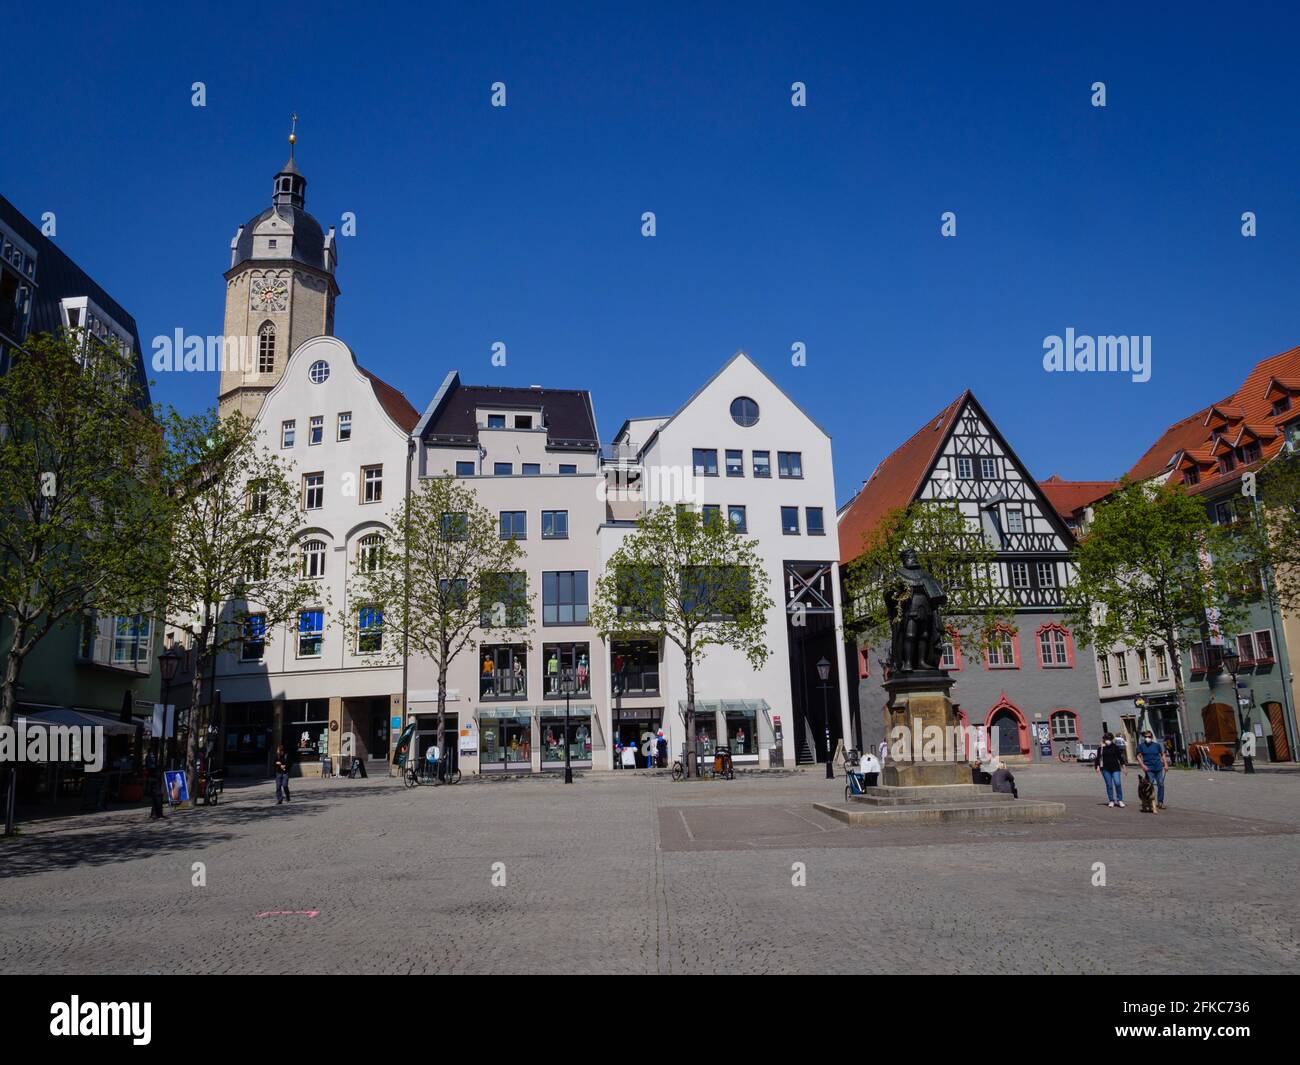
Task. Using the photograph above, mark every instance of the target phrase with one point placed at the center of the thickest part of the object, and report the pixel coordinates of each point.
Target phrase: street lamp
(168, 663)
(1231, 660)
(568, 685)
(824, 671)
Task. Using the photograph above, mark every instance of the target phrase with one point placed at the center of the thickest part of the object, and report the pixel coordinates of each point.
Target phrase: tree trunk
(442, 708)
(1180, 691)
(196, 700)
(8, 704)
(689, 761)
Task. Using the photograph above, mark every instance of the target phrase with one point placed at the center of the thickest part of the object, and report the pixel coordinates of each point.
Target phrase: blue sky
(776, 224)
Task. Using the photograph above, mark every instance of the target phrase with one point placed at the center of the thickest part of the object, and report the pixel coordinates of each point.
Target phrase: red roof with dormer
(1268, 399)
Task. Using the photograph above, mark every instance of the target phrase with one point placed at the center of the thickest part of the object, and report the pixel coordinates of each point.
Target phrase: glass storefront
(304, 722)
(505, 740)
(635, 667)
(552, 732)
(641, 727)
(741, 719)
(248, 733)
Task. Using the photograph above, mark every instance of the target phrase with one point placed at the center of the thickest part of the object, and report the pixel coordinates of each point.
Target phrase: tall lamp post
(568, 685)
(824, 671)
(1231, 660)
(168, 663)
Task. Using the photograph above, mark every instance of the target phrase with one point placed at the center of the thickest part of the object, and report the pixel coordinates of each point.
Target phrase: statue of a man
(913, 601)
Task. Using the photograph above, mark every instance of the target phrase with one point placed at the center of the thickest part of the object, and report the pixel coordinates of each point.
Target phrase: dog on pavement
(1147, 795)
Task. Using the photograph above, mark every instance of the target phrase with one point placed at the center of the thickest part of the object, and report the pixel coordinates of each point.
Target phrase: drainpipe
(406, 591)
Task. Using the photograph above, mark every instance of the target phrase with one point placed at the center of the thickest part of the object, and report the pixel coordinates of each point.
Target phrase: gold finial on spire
(293, 134)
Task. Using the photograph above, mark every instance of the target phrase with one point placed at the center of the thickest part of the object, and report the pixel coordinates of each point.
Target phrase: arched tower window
(266, 348)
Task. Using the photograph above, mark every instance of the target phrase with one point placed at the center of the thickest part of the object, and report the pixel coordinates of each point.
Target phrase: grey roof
(308, 238)
(567, 414)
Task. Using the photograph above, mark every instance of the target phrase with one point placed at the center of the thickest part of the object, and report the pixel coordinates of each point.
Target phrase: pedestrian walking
(1110, 764)
(1152, 757)
(281, 775)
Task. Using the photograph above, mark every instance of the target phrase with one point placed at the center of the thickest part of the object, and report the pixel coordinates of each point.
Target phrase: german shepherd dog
(1147, 794)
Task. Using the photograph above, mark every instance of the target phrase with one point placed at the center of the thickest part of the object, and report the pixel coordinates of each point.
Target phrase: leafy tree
(1278, 526)
(443, 574)
(682, 577)
(236, 570)
(81, 510)
(960, 558)
(1152, 569)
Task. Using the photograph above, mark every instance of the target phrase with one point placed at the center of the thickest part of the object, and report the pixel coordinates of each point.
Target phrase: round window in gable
(744, 411)
(319, 372)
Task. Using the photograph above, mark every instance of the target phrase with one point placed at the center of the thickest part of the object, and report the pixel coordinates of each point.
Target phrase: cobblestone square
(631, 873)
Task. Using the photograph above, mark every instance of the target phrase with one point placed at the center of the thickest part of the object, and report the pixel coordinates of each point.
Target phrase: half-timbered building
(1027, 683)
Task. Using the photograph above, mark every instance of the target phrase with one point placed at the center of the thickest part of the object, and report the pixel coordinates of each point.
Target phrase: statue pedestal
(932, 749)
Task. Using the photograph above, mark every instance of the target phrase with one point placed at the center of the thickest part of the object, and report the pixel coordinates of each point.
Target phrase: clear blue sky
(775, 224)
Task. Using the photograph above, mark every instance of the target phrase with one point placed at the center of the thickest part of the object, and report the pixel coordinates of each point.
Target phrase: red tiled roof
(394, 403)
(1250, 403)
(895, 482)
(1069, 497)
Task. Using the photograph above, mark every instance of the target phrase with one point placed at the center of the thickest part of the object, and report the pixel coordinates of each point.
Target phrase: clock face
(269, 294)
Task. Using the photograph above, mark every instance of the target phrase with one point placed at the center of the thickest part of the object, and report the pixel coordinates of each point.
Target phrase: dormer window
(1192, 475)
(1280, 406)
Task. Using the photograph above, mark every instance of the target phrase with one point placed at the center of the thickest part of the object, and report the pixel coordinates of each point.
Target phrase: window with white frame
(1065, 725)
(1263, 646)
(988, 468)
(1104, 662)
(266, 348)
(1162, 663)
(1121, 666)
(345, 425)
(313, 558)
(372, 484)
(316, 429)
(965, 470)
(132, 636)
(1019, 574)
(1054, 646)
(1015, 520)
(1047, 574)
(287, 432)
(311, 633)
(370, 630)
(1001, 649)
(313, 491)
(370, 553)
(1144, 666)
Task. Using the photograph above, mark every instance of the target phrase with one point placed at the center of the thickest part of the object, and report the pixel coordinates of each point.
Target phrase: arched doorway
(1008, 731)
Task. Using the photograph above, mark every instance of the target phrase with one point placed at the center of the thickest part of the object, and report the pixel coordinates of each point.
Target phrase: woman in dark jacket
(1110, 764)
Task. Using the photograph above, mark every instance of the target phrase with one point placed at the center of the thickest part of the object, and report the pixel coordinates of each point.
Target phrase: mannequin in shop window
(583, 671)
(553, 672)
(489, 671)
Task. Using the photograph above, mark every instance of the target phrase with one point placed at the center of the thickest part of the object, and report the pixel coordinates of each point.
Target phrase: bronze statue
(912, 600)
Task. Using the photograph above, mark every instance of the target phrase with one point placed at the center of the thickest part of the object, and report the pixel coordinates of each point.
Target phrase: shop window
(558, 658)
(552, 732)
(503, 671)
(304, 722)
(635, 665)
(742, 728)
(506, 741)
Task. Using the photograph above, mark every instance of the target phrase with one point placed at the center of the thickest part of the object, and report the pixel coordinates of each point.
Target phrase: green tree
(443, 574)
(960, 558)
(1276, 525)
(682, 577)
(82, 515)
(236, 570)
(1153, 569)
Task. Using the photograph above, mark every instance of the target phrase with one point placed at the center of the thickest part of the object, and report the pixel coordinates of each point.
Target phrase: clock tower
(280, 291)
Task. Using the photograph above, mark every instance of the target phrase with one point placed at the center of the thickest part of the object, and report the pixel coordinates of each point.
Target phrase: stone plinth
(919, 702)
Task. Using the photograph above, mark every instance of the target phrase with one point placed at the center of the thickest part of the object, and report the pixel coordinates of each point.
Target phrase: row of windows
(789, 464)
(521, 421)
(514, 524)
(316, 429)
(738, 518)
(1043, 572)
(1145, 659)
(507, 469)
(313, 488)
(1253, 649)
(1054, 645)
(988, 468)
(310, 635)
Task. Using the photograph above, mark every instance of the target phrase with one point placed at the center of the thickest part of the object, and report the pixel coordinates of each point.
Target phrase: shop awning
(68, 717)
(712, 706)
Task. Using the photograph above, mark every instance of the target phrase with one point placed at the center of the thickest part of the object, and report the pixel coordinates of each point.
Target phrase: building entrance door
(636, 730)
(1004, 733)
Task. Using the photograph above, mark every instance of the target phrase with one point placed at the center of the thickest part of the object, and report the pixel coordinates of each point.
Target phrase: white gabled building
(766, 466)
(345, 432)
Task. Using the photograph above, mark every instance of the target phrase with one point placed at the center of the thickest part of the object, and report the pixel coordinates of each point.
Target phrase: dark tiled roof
(308, 238)
(566, 413)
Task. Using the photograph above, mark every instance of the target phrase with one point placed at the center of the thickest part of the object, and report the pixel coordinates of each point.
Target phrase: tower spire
(293, 132)
(290, 185)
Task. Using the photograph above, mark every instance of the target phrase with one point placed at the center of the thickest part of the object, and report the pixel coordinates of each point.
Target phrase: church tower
(280, 290)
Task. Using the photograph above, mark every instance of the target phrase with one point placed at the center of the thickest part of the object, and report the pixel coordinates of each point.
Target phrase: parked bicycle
(413, 776)
(1077, 752)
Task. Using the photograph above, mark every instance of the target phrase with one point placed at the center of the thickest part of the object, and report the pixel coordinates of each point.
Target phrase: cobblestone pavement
(633, 873)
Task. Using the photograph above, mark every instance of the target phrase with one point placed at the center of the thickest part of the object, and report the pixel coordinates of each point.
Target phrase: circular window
(744, 411)
(319, 372)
